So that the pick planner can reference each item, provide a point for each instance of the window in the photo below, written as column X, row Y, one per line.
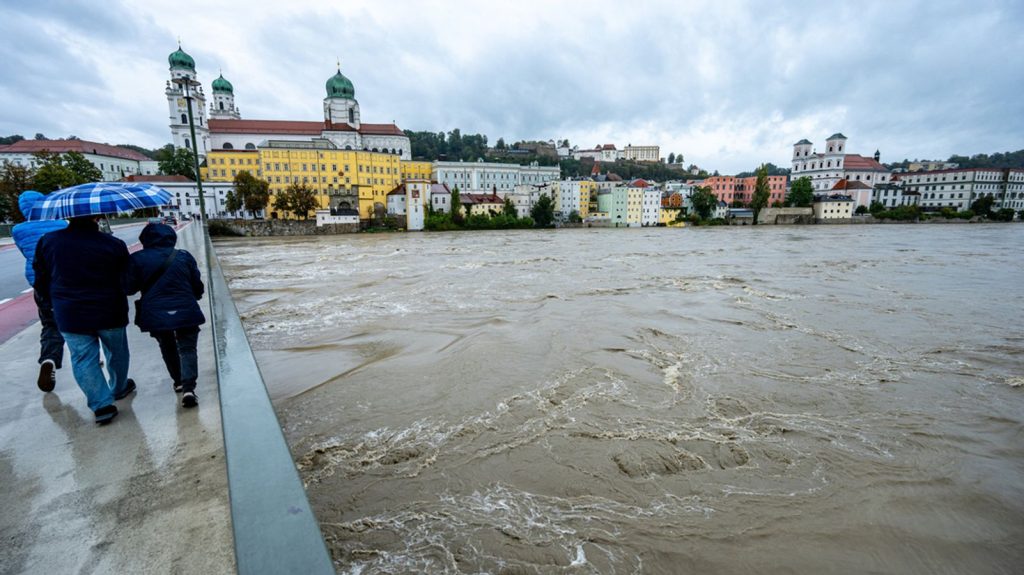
column 250, row 146
column 228, row 146
column 184, row 119
column 222, row 105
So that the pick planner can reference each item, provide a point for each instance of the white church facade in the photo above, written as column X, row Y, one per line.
column 227, row 130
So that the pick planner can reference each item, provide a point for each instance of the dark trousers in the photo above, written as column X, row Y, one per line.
column 51, row 342
column 178, row 348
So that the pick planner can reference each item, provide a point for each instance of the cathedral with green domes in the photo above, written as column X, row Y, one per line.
column 341, row 126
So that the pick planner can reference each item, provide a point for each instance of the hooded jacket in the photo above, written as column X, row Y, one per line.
column 81, row 270
column 26, row 234
column 172, row 301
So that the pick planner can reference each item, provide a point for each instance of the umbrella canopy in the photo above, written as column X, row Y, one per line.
column 98, row 198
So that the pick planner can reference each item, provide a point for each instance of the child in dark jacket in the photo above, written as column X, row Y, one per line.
column 171, row 286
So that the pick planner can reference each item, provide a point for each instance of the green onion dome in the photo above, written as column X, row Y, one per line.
column 222, row 86
column 179, row 59
column 338, row 86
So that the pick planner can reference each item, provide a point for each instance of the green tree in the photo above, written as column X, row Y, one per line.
column 456, row 207
column 253, row 192
column 761, row 192
column 500, row 145
column 861, row 210
column 232, row 202
column 574, row 217
column 84, row 171
column 303, row 199
column 801, row 193
column 283, row 200
column 543, row 212
column 14, row 179
column 672, row 158
column 876, row 207
column 509, row 210
column 983, row 205
column 704, row 201
column 176, row 162
column 8, row 140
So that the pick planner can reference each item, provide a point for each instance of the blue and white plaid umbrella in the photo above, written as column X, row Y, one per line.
column 98, row 198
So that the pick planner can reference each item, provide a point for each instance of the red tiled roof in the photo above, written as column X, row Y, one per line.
column 273, row 127
column 480, row 199
column 156, row 178
column 398, row 191
column 608, row 147
column 848, row 185
column 80, row 146
column 857, row 162
column 638, row 183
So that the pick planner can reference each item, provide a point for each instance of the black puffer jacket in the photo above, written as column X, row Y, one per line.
column 171, row 303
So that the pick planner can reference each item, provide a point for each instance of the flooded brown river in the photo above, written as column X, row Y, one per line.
column 829, row 399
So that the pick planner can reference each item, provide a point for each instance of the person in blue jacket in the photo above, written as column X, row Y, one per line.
column 171, row 286
column 51, row 344
column 82, row 271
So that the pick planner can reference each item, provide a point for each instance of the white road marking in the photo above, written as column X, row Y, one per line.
column 3, row 301
column 29, row 290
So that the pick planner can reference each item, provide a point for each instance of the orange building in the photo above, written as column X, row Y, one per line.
column 745, row 189
column 724, row 187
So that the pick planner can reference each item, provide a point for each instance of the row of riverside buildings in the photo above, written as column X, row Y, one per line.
column 360, row 171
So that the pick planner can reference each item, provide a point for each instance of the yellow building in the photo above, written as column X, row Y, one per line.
column 634, row 206
column 337, row 177
column 667, row 217
column 413, row 170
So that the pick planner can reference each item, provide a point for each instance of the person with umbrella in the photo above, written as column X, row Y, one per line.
column 51, row 344
column 82, row 271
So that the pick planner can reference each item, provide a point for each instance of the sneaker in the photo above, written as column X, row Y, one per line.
column 178, row 387
column 47, row 375
column 106, row 414
column 189, row 399
column 128, row 390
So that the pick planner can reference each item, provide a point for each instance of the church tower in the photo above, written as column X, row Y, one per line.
column 340, row 106
column 183, row 69
column 223, row 105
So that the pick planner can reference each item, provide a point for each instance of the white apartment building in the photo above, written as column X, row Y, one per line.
column 892, row 195
column 114, row 162
column 958, row 189
column 642, row 153
column 651, row 207
column 834, row 207
column 486, row 177
column 826, row 168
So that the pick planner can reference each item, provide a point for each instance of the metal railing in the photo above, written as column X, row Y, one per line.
column 275, row 530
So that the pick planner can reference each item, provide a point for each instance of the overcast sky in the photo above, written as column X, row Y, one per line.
column 726, row 84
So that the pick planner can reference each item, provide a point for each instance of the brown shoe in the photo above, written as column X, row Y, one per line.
column 47, row 376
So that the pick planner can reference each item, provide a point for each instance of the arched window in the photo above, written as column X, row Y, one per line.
column 348, row 147
column 221, row 105
column 352, row 115
column 188, row 144
column 184, row 119
column 250, row 146
column 375, row 149
column 228, row 146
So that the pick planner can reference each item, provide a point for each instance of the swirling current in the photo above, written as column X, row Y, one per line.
column 827, row 399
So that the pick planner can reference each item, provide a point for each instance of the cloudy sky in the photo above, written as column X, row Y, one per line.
column 726, row 84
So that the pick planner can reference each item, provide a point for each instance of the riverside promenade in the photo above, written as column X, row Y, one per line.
column 151, row 492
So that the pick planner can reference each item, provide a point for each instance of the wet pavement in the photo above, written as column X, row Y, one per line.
column 145, row 494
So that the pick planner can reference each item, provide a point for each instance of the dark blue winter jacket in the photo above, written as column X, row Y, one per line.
column 82, row 270
column 171, row 302
column 26, row 234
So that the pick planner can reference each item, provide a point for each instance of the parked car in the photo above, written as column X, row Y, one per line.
column 171, row 220
column 155, row 221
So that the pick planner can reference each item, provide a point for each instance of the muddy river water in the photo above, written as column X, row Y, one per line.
column 828, row 399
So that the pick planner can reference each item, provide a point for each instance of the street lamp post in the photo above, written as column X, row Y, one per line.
column 187, row 83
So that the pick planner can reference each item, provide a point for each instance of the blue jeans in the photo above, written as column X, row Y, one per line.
column 85, row 363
